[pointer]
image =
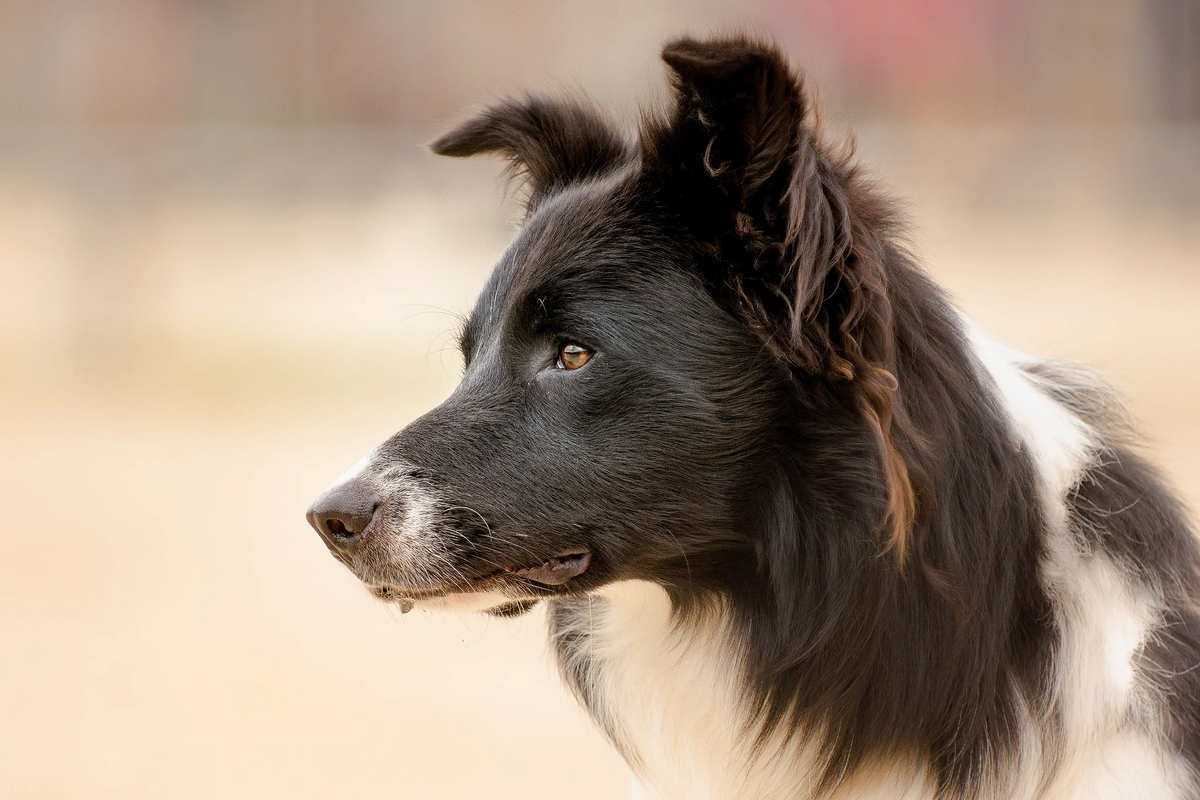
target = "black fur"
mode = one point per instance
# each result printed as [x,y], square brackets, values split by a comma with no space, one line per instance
[781,410]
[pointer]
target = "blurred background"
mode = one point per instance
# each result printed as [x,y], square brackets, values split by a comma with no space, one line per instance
[228,268]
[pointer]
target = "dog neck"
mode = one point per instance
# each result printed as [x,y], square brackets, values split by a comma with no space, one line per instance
[669,690]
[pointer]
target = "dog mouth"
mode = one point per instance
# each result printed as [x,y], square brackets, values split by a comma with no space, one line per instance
[551,573]
[555,571]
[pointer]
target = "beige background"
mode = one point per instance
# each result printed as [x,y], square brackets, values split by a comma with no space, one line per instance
[228,270]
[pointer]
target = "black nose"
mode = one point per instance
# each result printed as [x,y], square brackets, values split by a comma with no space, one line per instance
[343,513]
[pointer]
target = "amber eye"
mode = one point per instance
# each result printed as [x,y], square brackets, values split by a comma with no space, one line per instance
[572,356]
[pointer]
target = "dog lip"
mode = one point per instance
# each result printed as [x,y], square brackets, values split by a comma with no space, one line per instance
[554,571]
[405,597]
[557,570]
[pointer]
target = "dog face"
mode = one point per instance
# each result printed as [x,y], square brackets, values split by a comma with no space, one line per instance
[668,320]
[598,433]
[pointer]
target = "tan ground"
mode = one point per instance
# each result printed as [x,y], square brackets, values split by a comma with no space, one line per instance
[169,625]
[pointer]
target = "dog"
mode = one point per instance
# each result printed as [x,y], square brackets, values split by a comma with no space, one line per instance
[801,529]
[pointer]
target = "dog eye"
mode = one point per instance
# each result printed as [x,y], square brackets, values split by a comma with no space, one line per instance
[572,356]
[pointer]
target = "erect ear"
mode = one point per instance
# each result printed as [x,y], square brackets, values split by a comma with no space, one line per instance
[793,242]
[743,165]
[736,123]
[550,143]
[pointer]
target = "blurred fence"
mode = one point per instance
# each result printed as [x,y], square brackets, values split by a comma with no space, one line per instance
[371,62]
[220,171]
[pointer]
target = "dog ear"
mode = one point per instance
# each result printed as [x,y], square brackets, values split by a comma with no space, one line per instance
[737,118]
[792,240]
[550,143]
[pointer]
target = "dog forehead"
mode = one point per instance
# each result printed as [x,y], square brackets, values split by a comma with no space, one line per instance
[583,236]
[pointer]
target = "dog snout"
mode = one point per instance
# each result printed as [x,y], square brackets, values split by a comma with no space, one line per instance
[343,513]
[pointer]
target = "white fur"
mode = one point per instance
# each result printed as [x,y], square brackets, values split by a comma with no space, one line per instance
[1113,746]
[410,553]
[674,693]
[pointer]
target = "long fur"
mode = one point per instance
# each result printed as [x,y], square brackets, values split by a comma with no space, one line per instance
[841,544]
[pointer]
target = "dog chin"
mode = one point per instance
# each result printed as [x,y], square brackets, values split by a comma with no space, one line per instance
[460,602]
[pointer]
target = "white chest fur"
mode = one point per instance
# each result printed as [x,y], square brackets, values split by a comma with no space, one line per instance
[675,696]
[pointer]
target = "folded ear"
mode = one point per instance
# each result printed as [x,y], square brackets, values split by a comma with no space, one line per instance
[550,143]
[793,241]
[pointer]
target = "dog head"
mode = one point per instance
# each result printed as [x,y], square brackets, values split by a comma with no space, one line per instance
[671,319]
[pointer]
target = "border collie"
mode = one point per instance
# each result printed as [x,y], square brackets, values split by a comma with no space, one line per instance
[802,531]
